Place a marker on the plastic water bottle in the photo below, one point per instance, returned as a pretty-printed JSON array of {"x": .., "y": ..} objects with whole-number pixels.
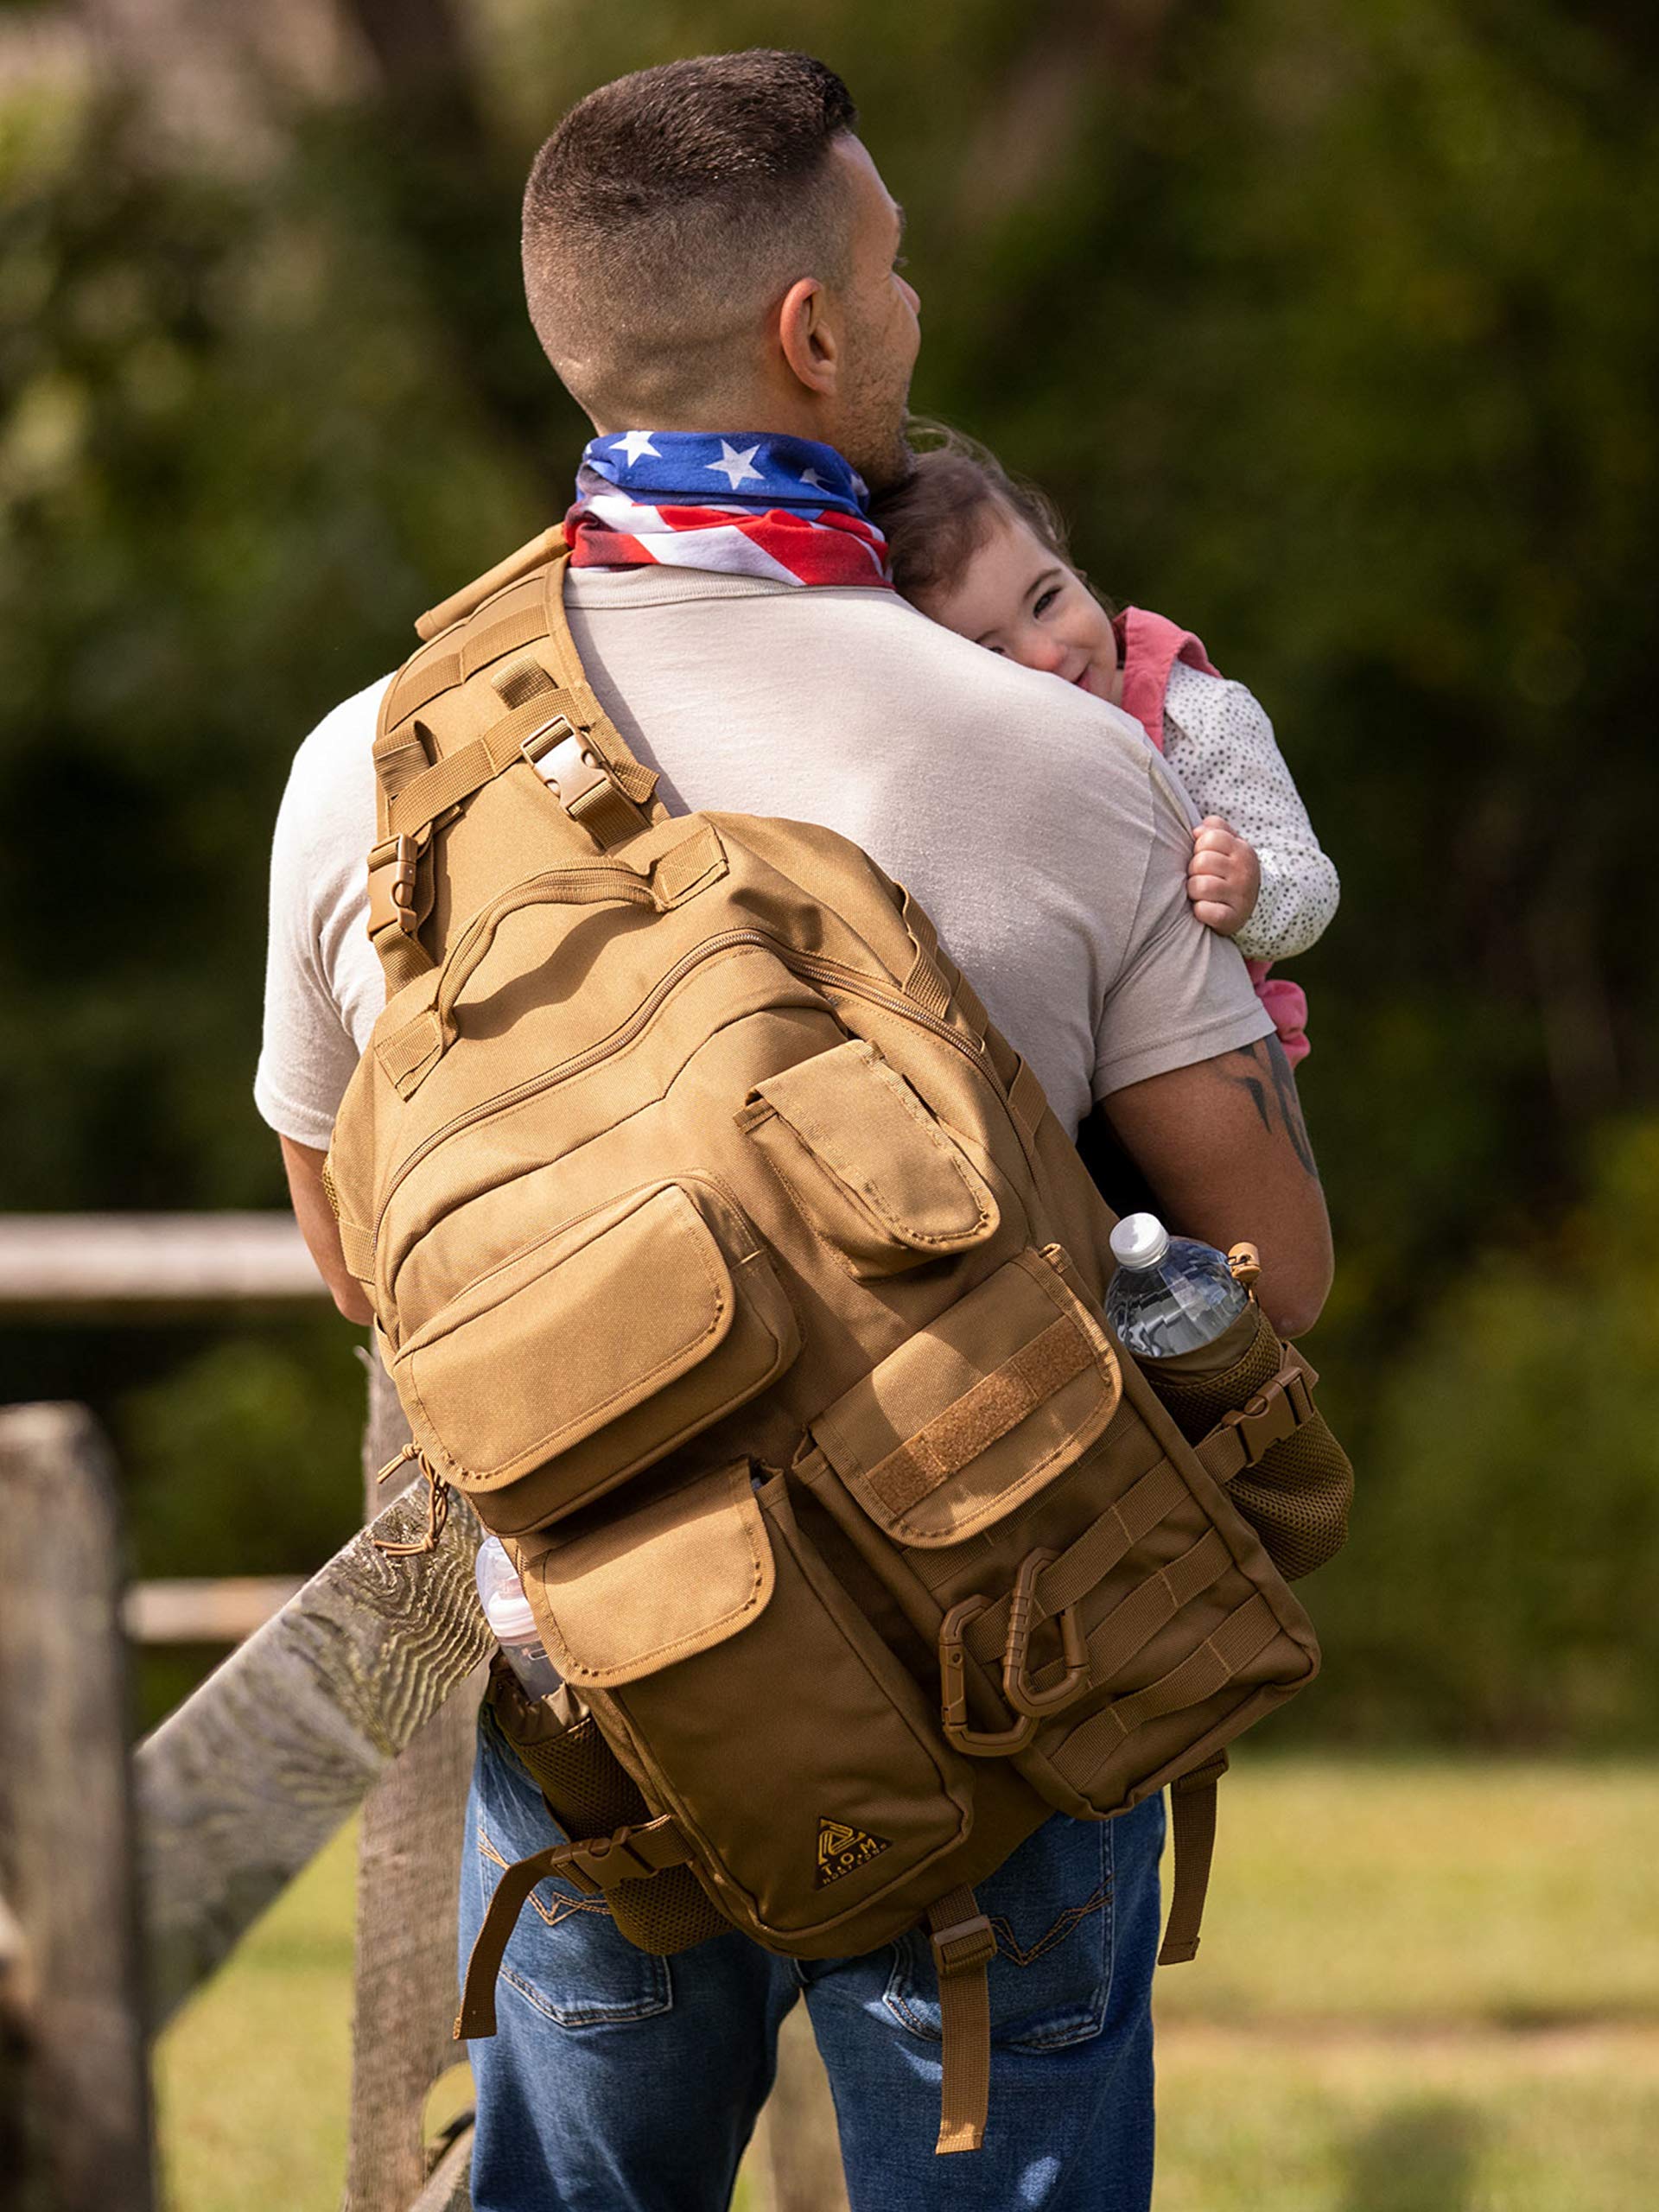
[
  {"x": 1170, "y": 1294},
  {"x": 512, "y": 1623}
]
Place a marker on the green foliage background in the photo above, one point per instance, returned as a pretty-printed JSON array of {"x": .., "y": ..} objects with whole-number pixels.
[{"x": 1333, "y": 330}]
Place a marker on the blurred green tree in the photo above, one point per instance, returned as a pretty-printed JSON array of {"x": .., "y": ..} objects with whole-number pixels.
[{"x": 1333, "y": 331}]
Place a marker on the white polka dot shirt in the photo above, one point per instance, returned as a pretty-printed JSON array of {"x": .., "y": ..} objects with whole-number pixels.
[{"x": 1220, "y": 743}]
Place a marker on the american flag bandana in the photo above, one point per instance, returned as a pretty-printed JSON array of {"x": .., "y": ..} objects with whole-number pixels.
[{"x": 787, "y": 509}]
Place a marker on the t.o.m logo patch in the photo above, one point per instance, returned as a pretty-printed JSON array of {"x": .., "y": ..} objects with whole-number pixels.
[{"x": 843, "y": 1849}]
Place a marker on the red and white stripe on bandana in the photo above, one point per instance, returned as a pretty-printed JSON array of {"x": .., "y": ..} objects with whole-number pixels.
[{"x": 785, "y": 509}]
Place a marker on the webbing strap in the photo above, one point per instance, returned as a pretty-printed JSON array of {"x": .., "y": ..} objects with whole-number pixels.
[
  {"x": 964, "y": 1946},
  {"x": 1192, "y": 1820},
  {"x": 998, "y": 1403},
  {"x": 435, "y": 673},
  {"x": 925, "y": 982},
  {"x": 1201, "y": 1674},
  {"x": 1027, "y": 1105},
  {"x": 1103, "y": 1545},
  {"x": 605, "y": 814},
  {"x": 458, "y": 775},
  {"x": 1277, "y": 1411},
  {"x": 971, "y": 1007},
  {"x": 403, "y": 958},
  {"x": 357, "y": 1243},
  {"x": 598, "y": 1863},
  {"x": 1152, "y": 1604}
]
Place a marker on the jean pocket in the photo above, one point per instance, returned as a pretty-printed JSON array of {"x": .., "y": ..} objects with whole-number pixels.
[
  {"x": 566, "y": 1957},
  {"x": 1050, "y": 1908}
]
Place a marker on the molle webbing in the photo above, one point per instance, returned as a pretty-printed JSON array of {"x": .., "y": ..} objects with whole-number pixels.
[{"x": 552, "y": 723}]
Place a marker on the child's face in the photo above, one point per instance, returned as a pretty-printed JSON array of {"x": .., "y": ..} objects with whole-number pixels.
[{"x": 1018, "y": 599}]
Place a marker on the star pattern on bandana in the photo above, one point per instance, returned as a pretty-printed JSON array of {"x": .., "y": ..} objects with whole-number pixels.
[
  {"x": 736, "y": 467},
  {"x": 636, "y": 444}
]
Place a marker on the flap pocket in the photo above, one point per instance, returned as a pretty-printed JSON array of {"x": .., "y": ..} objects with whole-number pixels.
[
  {"x": 595, "y": 1350},
  {"x": 673, "y": 1579},
  {"x": 975, "y": 1412},
  {"x": 867, "y": 1163}
]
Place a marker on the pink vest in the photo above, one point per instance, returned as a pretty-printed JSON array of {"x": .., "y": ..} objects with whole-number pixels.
[{"x": 1148, "y": 646}]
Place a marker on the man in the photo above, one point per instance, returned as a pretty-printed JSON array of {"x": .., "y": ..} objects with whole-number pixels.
[{"x": 710, "y": 250}]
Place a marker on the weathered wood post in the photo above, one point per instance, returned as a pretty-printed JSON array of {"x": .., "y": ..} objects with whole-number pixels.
[
  {"x": 74, "y": 2095},
  {"x": 409, "y": 1874}
]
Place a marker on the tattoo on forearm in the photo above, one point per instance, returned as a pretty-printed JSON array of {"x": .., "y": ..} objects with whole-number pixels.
[{"x": 1263, "y": 1071}]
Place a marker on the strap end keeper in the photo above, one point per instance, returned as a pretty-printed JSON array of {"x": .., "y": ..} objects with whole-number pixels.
[{"x": 966, "y": 1945}]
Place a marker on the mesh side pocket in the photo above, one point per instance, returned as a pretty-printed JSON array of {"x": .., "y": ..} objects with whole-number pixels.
[
  {"x": 1297, "y": 1496},
  {"x": 590, "y": 1793}
]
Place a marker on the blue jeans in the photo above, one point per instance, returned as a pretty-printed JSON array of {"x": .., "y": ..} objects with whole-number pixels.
[{"x": 618, "y": 2082}]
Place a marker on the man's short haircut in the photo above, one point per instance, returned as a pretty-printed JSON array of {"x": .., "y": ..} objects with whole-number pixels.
[{"x": 669, "y": 211}]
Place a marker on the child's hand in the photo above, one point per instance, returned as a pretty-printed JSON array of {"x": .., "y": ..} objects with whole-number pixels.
[{"x": 1224, "y": 877}]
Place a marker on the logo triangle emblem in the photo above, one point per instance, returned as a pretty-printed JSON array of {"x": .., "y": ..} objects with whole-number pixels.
[{"x": 843, "y": 1849}]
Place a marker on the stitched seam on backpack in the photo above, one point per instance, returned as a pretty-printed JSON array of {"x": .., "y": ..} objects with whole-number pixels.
[
  {"x": 894, "y": 1086},
  {"x": 540, "y": 1443},
  {"x": 695, "y": 1639}
]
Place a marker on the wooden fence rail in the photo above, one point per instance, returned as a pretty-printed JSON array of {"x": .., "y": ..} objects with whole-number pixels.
[
  {"x": 269, "y": 1755},
  {"x": 358, "y": 1687}
]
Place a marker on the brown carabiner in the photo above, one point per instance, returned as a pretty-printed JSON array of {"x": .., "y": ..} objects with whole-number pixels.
[
  {"x": 1016, "y": 1675},
  {"x": 978, "y": 1743},
  {"x": 437, "y": 1507}
]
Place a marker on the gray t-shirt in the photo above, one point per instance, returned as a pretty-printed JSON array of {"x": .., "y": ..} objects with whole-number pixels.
[{"x": 1035, "y": 824}]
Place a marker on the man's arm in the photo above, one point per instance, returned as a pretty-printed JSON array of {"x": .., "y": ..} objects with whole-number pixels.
[
  {"x": 320, "y": 1228},
  {"x": 1223, "y": 1145}
]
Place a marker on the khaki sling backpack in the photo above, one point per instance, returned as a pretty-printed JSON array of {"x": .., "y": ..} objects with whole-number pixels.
[{"x": 735, "y": 1268}]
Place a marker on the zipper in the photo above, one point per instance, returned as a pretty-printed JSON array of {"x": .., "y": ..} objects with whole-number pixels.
[{"x": 833, "y": 975}]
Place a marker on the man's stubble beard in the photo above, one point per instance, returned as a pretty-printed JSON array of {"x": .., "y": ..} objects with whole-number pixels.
[
  {"x": 878, "y": 448},
  {"x": 874, "y": 439}
]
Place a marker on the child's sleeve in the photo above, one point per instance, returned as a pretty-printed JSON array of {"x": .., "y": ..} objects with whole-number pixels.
[{"x": 1220, "y": 743}]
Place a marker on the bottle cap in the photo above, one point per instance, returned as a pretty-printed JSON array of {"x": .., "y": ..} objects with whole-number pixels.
[
  {"x": 1140, "y": 1240},
  {"x": 502, "y": 1596},
  {"x": 510, "y": 1620}
]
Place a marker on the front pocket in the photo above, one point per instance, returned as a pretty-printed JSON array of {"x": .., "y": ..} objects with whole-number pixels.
[
  {"x": 789, "y": 1743},
  {"x": 874, "y": 1173},
  {"x": 979, "y": 1411},
  {"x": 596, "y": 1350}
]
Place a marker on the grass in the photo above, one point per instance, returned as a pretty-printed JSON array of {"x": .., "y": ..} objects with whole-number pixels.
[{"x": 1425, "y": 1986}]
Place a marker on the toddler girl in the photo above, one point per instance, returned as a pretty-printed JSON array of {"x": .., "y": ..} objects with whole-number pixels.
[{"x": 987, "y": 557}]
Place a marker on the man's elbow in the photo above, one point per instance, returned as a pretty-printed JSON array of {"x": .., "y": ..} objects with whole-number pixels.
[
  {"x": 1294, "y": 1287},
  {"x": 348, "y": 1294}
]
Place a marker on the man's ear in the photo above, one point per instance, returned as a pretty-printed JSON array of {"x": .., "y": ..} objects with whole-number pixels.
[{"x": 807, "y": 336}]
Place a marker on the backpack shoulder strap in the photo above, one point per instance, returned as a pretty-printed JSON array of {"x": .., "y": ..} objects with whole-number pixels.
[{"x": 537, "y": 713}]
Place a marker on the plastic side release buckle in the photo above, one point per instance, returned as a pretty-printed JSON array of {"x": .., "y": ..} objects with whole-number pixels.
[
  {"x": 570, "y": 769},
  {"x": 1272, "y": 1416}
]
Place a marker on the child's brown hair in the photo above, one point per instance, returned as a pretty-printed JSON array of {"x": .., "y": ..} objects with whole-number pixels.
[{"x": 945, "y": 509}]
